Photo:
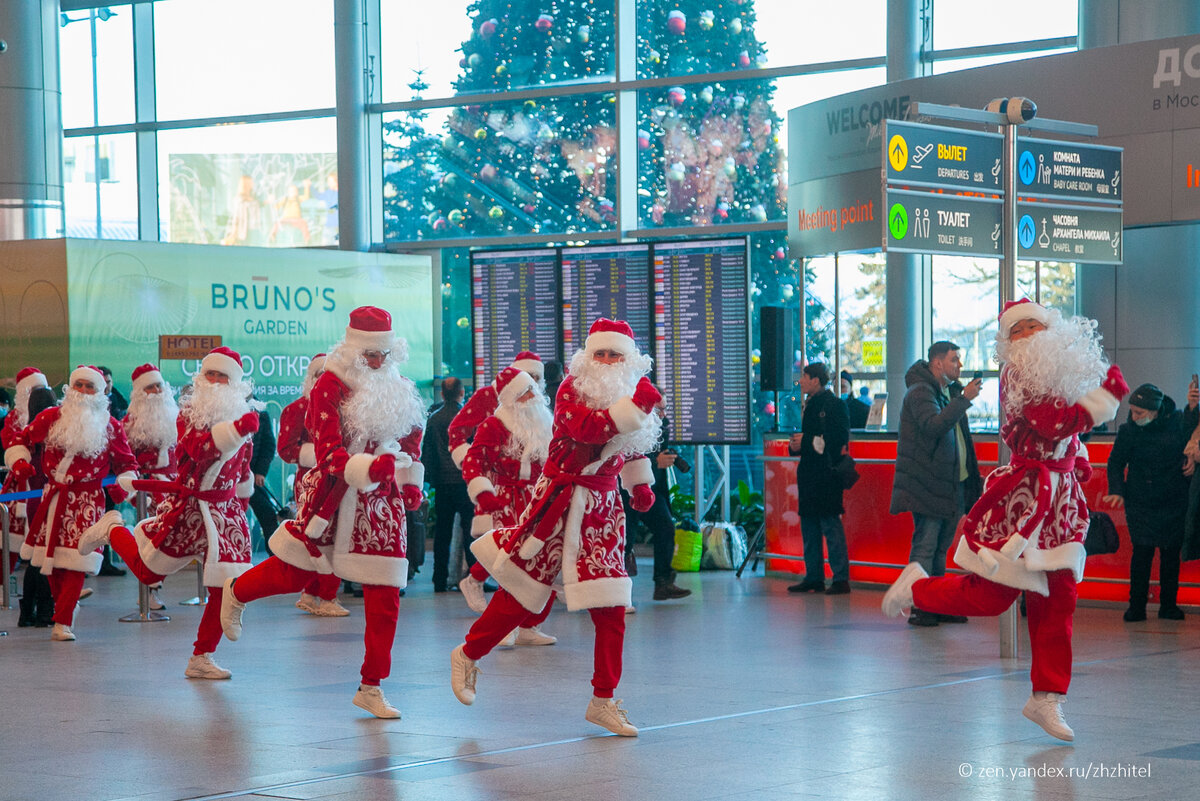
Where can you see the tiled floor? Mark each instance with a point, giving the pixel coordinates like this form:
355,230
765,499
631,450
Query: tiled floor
741,692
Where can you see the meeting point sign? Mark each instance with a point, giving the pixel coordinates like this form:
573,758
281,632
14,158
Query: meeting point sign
838,214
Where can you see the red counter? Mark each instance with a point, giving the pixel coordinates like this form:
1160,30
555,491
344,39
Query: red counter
876,537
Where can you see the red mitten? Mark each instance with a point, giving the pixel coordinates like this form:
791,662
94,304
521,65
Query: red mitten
645,397
117,494
383,468
412,497
487,502
1083,470
247,424
22,470
1114,382
642,498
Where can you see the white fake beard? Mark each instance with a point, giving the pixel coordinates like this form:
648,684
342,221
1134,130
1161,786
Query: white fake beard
82,426
531,424
383,406
151,421
21,406
601,385
210,403
1064,361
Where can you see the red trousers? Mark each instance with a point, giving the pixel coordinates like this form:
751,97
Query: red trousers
382,604
324,586
504,613
65,586
1050,618
208,634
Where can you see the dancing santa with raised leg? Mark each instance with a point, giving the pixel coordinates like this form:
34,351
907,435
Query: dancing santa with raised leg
202,517
603,425
366,421
82,444
295,446
502,466
482,405
1026,532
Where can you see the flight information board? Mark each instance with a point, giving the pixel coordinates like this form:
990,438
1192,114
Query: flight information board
610,281
514,307
702,338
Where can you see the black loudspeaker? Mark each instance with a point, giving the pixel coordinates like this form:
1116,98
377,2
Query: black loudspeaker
776,324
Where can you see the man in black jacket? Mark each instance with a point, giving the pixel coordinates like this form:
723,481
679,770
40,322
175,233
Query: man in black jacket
449,490
823,437
261,456
937,476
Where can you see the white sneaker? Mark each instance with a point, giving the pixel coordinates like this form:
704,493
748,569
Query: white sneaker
373,700
308,603
899,596
631,610
1046,711
154,602
86,592
463,672
509,640
231,612
202,666
330,608
62,633
472,593
535,636
608,713
95,536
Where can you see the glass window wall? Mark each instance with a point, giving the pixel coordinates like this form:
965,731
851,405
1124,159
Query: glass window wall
100,187
101,38
968,23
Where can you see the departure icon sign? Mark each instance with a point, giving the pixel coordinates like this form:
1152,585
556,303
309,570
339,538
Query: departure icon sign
897,221
898,153
1026,231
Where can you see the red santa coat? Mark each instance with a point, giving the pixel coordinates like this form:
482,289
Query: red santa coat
347,524
206,519
17,524
294,444
72,498
487,468
1032,517
159,464
576,510
479,407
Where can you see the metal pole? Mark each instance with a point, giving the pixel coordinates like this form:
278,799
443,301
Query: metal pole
837,327
1009,644
699,490
4,576
144,613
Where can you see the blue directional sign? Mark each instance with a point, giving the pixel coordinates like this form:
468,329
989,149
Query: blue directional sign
1026,231
935,156
932,222
1068,170
1091,234
1027,168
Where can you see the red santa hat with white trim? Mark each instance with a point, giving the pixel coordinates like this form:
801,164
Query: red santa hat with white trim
147,375
1024,309
30,378
531,363
87,372
223,360
511,384
370,328
610,335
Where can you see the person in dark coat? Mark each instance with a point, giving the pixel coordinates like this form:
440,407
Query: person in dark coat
1146,476
449,489
855,408
937,476
262,454
823,437
554,377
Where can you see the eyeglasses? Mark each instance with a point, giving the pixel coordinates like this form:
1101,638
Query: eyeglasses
376,355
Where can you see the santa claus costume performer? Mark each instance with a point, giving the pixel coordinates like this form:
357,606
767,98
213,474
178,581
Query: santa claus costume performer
603,424
502,466
28,379
482,405
366,421
1026,532
202,517
82,444
152,426
295,447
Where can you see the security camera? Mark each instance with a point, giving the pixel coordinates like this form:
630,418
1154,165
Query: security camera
1017,110
3,45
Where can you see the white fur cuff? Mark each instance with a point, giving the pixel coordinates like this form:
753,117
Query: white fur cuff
413,474
308,455
245,489
357,473
479,485
531,548
1101,404
481,524
16,454
637,471
125,482
459,453
226,437
626,416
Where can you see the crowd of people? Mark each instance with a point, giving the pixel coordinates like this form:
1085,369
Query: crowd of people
543,486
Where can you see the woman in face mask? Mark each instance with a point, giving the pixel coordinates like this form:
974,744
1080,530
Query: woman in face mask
1146,477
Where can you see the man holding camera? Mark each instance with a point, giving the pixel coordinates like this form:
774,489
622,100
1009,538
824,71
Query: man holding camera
937,476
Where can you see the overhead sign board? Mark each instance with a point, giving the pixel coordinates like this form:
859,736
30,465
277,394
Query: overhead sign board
950,225
1054,169
938,156
836,215
1054,232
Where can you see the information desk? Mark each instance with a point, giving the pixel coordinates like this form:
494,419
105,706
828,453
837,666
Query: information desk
879,542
